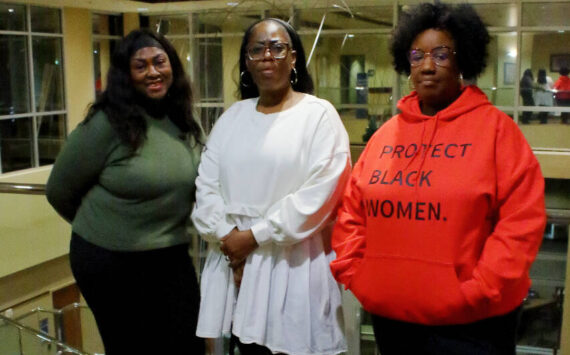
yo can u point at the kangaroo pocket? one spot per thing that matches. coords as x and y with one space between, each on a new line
410 290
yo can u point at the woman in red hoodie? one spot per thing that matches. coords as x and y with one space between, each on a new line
562 86
444 212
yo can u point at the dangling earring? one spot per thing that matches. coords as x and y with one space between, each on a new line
410 83
294 77
461 79
242 80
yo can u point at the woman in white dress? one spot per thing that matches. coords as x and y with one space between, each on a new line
268 185
544 95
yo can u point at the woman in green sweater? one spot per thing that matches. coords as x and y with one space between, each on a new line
125 181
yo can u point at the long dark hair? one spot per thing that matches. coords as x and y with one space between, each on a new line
118 99
304 82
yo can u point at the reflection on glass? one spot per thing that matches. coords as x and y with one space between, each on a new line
351 17
223 21
48 73
545 14
107 24
12 17
208 116
170 25
499 15
211 72
182 46
499 78
102 50
51 133
16 148
14 96
46 19
543 56
357 79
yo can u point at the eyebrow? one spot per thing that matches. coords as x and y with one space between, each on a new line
145 59
271 41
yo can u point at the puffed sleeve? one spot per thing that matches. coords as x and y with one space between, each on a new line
79 164
301 213
521 217
349 233
209 213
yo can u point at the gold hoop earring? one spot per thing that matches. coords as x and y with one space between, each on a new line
293 77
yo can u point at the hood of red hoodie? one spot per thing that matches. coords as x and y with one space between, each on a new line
471 98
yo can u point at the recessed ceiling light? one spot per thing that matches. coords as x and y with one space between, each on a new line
10 10
233 3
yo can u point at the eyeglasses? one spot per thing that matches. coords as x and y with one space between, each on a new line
440 55
278 50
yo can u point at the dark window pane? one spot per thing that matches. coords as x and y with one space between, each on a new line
16 144
210 77
46 19
12 17
14 96
51 135
48 74
108 24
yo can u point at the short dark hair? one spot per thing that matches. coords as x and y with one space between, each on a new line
564 71
469 34
118 98
304 82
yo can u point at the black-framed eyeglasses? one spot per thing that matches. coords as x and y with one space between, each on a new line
440 55
278 50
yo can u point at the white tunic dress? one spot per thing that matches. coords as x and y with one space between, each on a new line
280 175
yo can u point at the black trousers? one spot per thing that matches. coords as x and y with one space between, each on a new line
248 349
491 336
564 115
143 302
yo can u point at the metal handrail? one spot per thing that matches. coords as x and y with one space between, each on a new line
558 215
44 337
20 188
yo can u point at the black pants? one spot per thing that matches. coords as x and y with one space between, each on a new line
528 100
248 349
143 302
491 336
564 115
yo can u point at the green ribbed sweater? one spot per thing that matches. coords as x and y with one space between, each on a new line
123 202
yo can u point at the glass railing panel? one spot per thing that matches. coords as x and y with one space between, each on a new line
9 339
73 325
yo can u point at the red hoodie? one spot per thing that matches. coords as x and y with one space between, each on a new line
563 86
443 215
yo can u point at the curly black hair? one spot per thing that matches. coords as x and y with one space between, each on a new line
117 101
304 82
463 23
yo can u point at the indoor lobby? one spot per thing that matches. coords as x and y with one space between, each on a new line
54 57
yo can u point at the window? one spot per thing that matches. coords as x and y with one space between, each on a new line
107 32
32 97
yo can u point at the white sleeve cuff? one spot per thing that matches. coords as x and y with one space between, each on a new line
223 229
261 232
